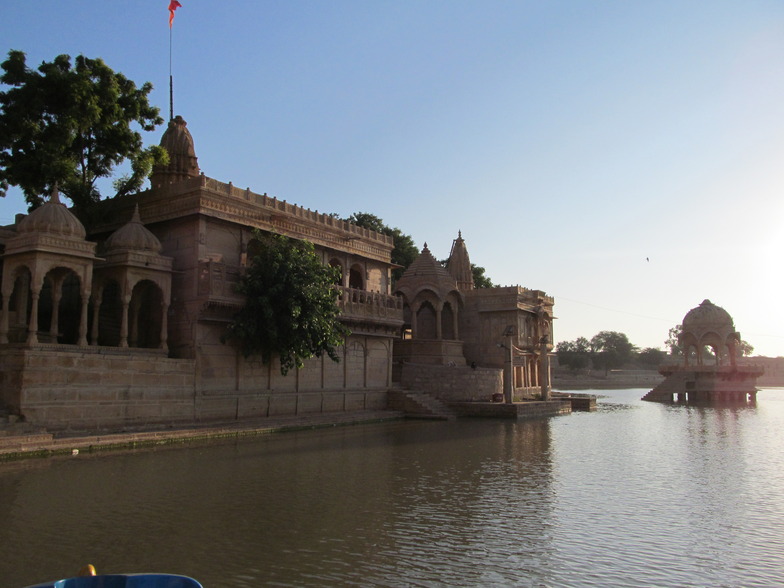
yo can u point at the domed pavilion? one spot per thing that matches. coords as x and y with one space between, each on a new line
710 372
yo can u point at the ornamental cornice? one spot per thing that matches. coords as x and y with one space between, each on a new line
49 243
137 259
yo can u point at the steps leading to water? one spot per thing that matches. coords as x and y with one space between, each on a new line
420 405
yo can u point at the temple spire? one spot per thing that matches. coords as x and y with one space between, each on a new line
459 265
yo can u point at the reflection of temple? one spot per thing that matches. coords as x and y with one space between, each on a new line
123 325
710 370
448 322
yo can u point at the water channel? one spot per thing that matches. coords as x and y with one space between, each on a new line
634 494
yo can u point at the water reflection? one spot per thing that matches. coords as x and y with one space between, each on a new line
634 494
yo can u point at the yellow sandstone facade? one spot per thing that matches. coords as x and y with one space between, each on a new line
121 327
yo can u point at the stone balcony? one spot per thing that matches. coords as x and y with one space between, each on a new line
370 307
218 281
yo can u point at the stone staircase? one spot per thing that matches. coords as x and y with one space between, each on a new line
420 405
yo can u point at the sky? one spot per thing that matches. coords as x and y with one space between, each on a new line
623 156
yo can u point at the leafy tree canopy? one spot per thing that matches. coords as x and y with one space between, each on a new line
575 355
481 279
611 349
404 252
290 310
672 340
69 125
651 356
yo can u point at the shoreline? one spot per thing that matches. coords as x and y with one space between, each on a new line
14 447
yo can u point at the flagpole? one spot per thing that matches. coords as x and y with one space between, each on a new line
171 79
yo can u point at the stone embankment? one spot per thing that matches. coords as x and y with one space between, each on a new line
614 380
19 440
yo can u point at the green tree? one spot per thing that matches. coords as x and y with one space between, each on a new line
651 356
290 310
404 251
746 348
611 349
575 355
481 280
69 126
672 341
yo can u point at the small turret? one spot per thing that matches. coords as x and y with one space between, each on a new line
183 163
459 265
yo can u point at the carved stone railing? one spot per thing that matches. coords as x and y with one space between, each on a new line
362 305
218 282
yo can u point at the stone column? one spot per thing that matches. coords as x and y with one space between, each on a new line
32 328
57 295
164 326
83 319
4 316
133 325
544 379
96 313
124 323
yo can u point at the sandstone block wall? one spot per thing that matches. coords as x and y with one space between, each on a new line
453 383
97 388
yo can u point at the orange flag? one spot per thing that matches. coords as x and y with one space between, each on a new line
173 5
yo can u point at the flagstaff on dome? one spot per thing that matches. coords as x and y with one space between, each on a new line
173 5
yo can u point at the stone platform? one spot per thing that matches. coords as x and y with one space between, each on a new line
24 444
516 410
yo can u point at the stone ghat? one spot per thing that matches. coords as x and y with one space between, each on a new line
42 444
517 410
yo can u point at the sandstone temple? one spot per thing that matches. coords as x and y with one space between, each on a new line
120 324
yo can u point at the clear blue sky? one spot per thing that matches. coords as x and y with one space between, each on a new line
571 142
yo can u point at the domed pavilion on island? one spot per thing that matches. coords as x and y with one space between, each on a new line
709 371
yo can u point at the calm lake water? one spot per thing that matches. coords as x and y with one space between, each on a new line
634 494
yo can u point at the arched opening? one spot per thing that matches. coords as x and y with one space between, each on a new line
145 316
59 307
426 321
70 310
355 279
447 322
19 306
406 330
110 315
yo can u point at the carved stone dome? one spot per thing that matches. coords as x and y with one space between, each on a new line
426 272
133 236
183 164
54 218
707 316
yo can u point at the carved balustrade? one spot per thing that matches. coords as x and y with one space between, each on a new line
218 282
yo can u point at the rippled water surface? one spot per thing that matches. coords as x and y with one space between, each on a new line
634 494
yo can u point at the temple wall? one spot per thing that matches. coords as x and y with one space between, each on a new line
453 383
97 387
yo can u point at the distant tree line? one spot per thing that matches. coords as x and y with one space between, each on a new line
609 350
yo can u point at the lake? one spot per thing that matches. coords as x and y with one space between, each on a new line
633 494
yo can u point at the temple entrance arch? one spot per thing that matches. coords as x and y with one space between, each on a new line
145 315
110 313
426 321
59 307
